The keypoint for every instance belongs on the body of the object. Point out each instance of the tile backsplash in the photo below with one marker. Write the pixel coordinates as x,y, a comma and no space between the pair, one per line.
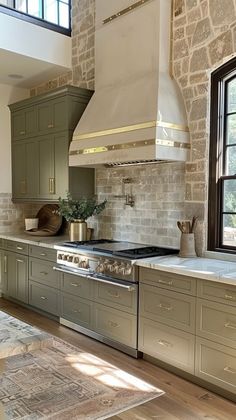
158,191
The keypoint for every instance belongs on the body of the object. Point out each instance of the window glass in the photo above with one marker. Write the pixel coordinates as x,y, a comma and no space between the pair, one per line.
230,160
51,11
229,200
63,15
231,96
8,3
231,129
35,8
229,230
21,5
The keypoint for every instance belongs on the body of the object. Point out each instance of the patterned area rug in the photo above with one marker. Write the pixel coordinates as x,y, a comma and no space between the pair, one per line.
62,382
18,337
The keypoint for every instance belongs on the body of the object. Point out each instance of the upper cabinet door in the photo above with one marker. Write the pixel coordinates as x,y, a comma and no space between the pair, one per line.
52,116
24,123
46,167
25,169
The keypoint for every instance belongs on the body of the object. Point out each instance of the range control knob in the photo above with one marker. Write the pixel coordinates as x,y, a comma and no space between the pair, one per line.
70,258
100,268
128,270
76,260
64,257
121,269
84,264
60,256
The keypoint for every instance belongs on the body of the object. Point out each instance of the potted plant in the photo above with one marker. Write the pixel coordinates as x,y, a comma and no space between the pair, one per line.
76,212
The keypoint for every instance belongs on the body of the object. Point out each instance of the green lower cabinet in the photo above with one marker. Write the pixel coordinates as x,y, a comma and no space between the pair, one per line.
17,276
45,298
77,310
3,272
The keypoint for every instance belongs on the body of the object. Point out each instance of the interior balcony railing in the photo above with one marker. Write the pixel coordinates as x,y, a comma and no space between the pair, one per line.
51,14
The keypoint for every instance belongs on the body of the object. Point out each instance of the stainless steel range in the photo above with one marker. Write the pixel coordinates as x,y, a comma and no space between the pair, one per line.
108,268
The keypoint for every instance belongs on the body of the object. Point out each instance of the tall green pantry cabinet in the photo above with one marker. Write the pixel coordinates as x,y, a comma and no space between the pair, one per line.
42,129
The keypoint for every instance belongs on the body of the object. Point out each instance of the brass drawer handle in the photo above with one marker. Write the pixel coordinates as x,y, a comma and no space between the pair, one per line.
44,273
43,297
20,248
23,186
76,311
168,283
229,370
75,284
115,295
50,125
164,343
166,308
229,325
22,132
230,297
113,324
42,254
5,263
20,261
51,185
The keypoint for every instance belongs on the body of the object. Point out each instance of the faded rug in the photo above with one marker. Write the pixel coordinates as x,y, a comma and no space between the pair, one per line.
63,382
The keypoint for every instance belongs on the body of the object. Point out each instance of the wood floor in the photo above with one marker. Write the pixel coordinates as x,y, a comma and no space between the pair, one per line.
182,400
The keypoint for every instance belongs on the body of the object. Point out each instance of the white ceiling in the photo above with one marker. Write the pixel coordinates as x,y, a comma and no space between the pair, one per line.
34,71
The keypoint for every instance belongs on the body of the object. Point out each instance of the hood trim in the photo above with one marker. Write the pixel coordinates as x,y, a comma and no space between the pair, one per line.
130,145
150,124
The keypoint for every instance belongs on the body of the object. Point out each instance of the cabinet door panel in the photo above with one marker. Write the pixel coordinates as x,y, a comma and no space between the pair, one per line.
3,272
52,116
46,166
61,165
18,124
24,170
17,274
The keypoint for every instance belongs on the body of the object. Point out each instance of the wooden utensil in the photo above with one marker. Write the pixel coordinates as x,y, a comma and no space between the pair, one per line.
194,224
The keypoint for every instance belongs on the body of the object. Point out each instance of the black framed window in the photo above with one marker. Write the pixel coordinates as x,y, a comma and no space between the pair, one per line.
222,160
53,14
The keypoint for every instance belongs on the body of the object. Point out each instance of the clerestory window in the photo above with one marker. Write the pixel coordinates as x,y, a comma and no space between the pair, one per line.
52,12
222,160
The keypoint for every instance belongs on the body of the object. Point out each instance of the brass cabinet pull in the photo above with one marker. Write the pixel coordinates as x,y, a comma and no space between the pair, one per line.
229,370
52,185
20,248
22,132
230,297
168,283
75,284
43,297
44,273
164,343
75,311
42,254
5,263
23,186
115,295
50,125
113,324
229,325
19,261
166,308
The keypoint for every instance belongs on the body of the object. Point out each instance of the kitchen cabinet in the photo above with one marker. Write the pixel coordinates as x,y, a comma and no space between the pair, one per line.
189,324
14,270
42,129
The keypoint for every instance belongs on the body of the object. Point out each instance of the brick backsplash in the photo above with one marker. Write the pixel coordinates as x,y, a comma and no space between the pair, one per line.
12,216
158,192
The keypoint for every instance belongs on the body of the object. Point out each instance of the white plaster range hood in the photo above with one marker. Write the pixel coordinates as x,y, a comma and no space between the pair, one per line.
136,113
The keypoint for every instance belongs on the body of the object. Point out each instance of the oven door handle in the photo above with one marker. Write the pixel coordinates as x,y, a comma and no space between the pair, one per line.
63,270
113,283
124,286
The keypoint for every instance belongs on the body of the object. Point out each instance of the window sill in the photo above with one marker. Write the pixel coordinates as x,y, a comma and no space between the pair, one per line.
220,256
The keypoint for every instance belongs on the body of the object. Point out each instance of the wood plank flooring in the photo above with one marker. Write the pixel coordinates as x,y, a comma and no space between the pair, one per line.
182,400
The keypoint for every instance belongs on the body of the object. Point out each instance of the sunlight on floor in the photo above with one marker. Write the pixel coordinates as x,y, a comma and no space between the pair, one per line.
107,374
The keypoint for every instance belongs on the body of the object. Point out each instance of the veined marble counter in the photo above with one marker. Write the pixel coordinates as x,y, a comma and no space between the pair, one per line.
203,268
45,241
16,337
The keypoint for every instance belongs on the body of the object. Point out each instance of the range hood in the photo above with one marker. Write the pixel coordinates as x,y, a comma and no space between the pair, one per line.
136,114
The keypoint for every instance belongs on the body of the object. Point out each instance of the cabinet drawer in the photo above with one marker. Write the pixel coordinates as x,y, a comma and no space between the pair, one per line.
216,322
223,293
42,272
19,247
44,297
117,297
117,325
167,344
171,308
77,310
44,253
169,281
76,285
216,364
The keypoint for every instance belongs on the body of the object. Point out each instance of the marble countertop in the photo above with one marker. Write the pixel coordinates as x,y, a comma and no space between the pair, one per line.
45,241
203,268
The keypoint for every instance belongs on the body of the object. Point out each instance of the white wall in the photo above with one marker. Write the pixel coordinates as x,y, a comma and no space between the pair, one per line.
8,95
34,41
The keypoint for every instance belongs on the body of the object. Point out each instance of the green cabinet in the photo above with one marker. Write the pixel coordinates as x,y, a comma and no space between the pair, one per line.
42,129
3,272
17,273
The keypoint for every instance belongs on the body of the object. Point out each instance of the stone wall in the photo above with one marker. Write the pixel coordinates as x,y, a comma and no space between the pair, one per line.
12,216
204,36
